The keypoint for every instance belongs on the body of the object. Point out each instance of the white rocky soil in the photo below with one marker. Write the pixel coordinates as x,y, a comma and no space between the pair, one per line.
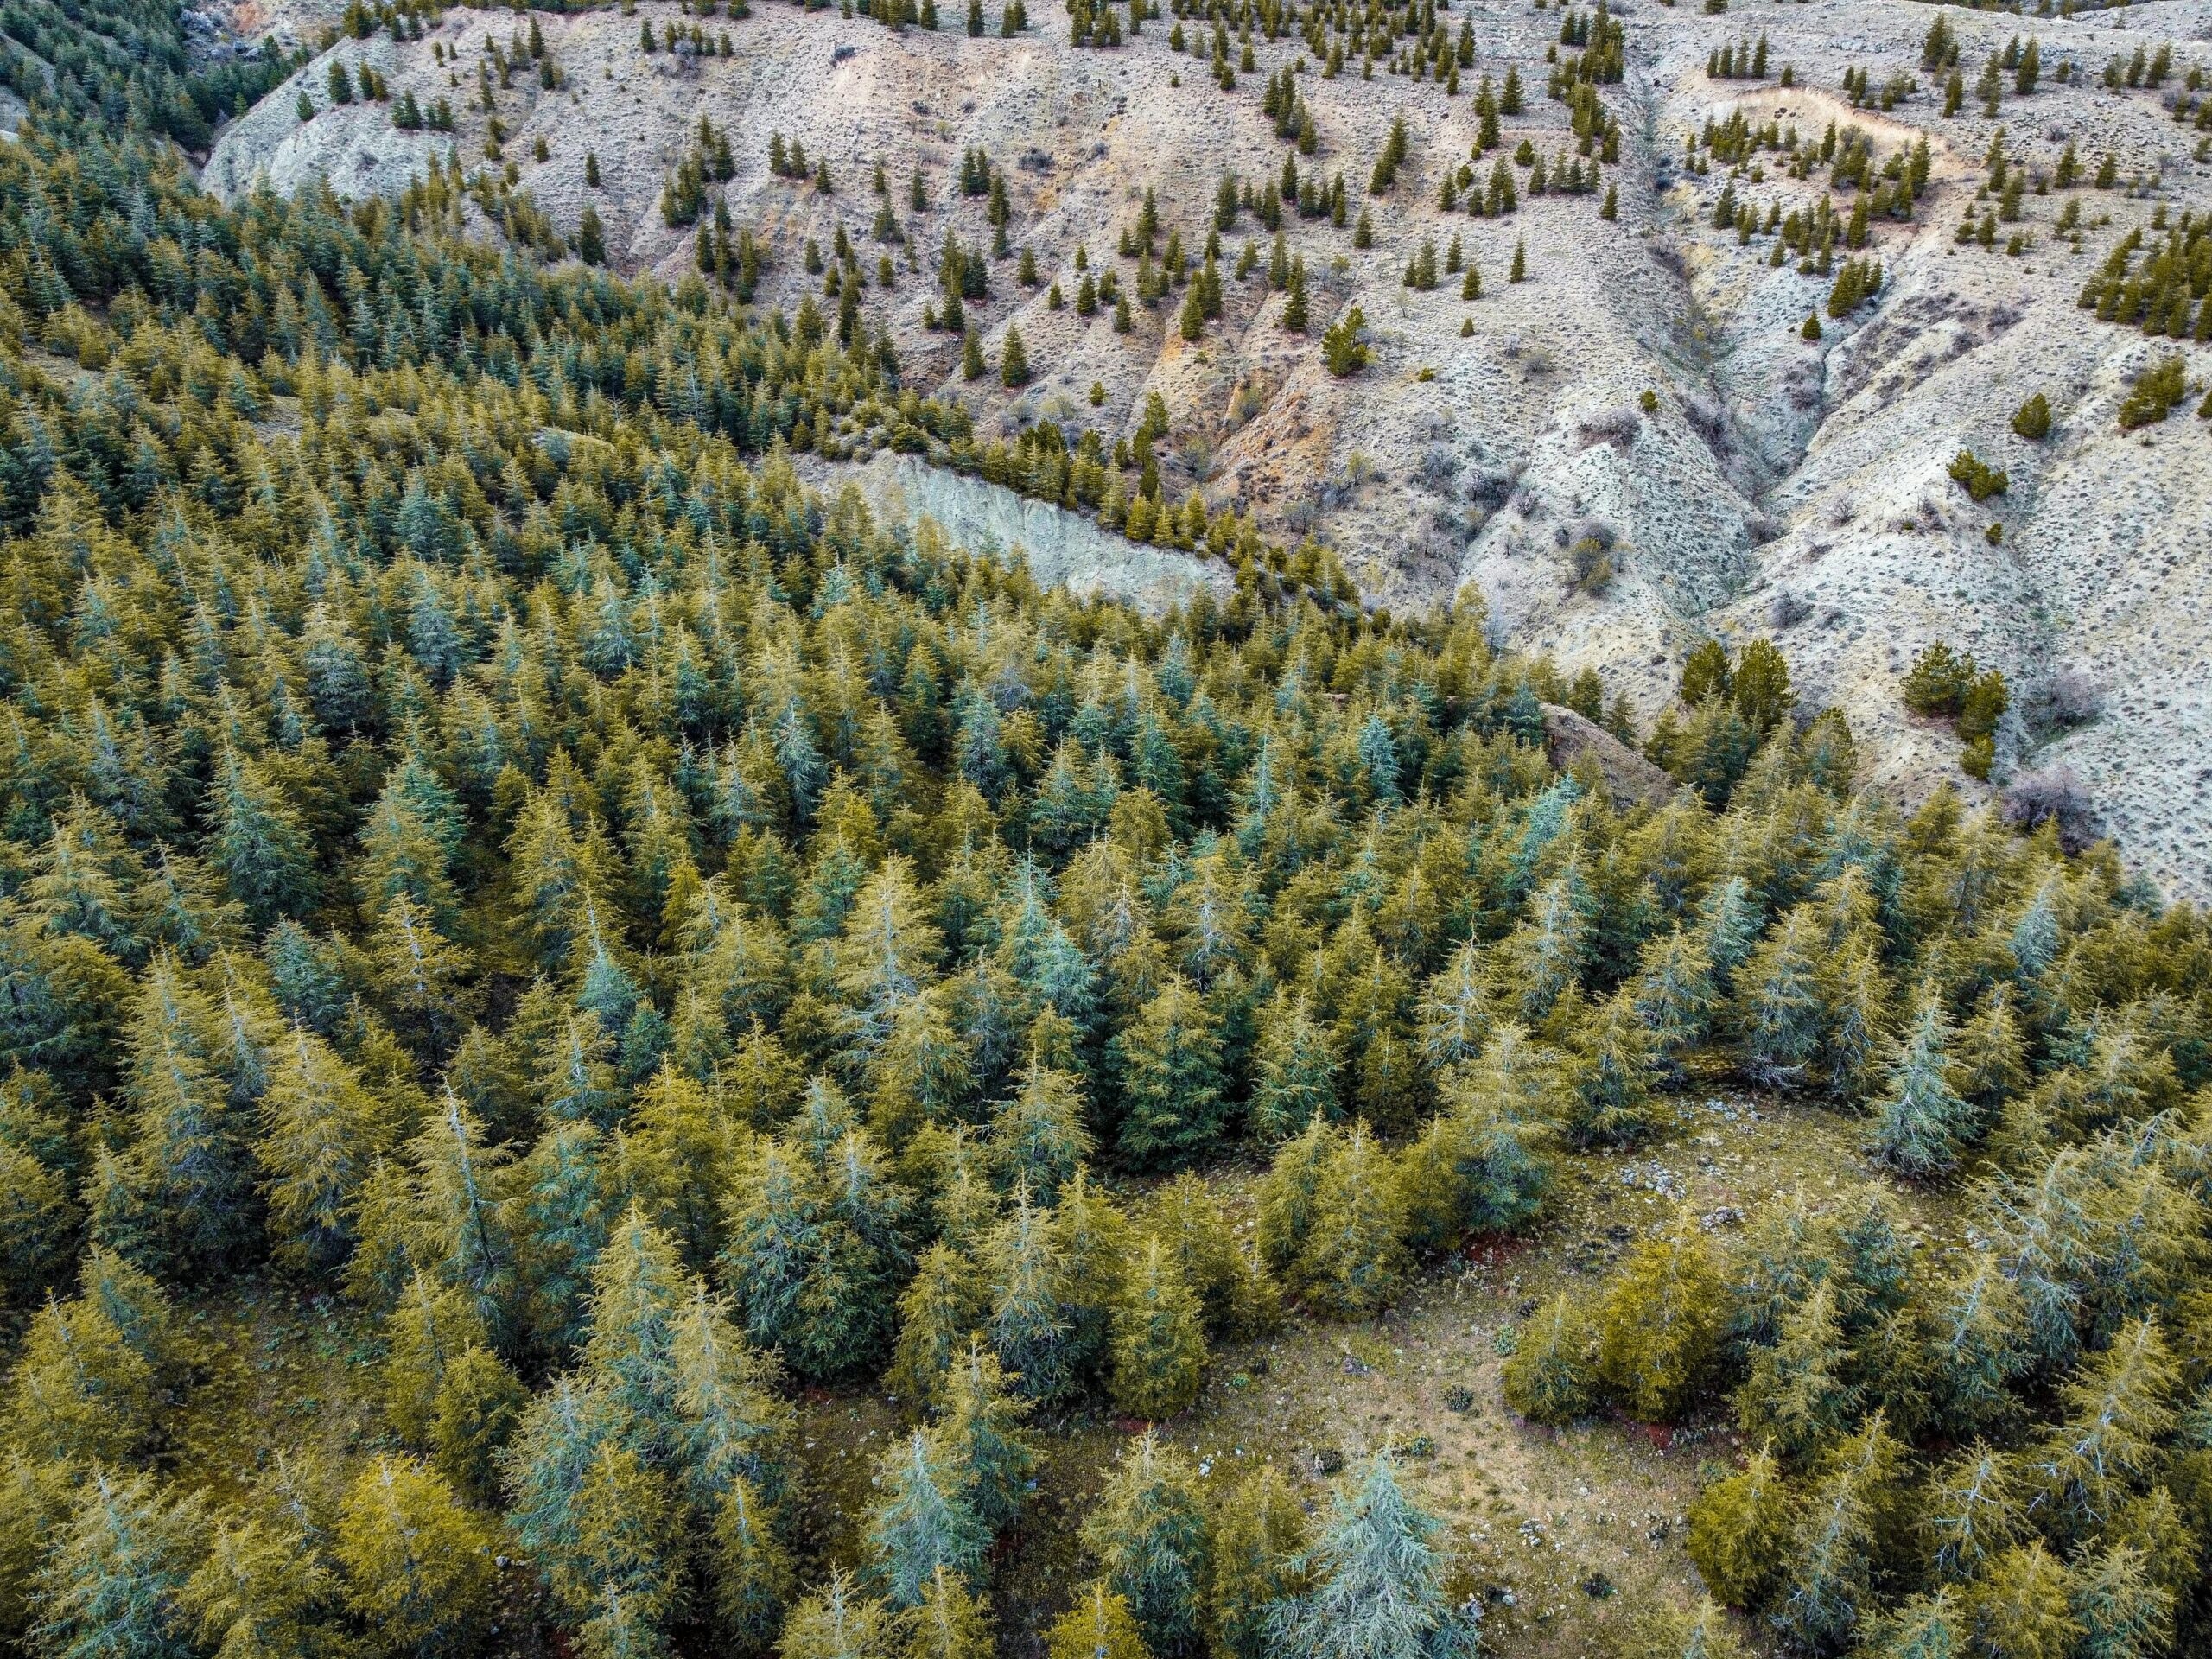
1770,487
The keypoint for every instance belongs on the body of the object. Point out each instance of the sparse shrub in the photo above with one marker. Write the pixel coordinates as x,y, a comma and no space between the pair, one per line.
1937,684
2154,394
1979,480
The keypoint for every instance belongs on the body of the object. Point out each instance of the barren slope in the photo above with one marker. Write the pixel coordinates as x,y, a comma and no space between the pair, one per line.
1773,486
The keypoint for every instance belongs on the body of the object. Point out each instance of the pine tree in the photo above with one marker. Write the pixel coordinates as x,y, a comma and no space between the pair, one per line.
259,846
2023,1605
1169,1064
949,1621
924,1524
752,1571
1159,1348
418,1565
1294,305
1739,1529
1354,1259
1612,1083
113,1576
266,1584
980,1431
1550,1376
1797,1395
937,1311
1778,1004
1846,1526
1028,1326
1659,1324
1922,1121
323,1128
477,1407
1039,1138
839,1622
1378,1581
1147,1532
1484,1163
1098,1626
1259,1533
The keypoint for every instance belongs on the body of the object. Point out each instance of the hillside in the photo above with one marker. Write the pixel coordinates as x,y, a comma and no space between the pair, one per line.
689,969
1777,488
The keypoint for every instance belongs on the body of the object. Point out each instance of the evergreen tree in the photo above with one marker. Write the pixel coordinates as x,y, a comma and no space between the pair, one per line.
1922,1121
323,1128
1846,1526
1659,1324
980,1431
1550,1377
1259,1534
938,1310
259,846
1169,1064
924,1527
418,1565
1740,1529
839,1622
1147,1531
1354,1258
1377,1577
1779,1005
1159,1349
949,1622
1098,1626
113,1576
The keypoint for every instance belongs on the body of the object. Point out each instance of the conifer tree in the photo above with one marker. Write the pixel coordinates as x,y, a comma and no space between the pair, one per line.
1778,1004
937,1311
258,847
1039,1137
1098,1626
1550,1377
1846,1525
1378,1580
418,1565
1147,1532
1739,1527
980,1431
1028,1325
113,1576
923,1525
1259,1533
1354,1259
1797,1395
1659,1324
322,1127
949,1621
1922,1123
839,1621
1159,1348
1169,1064
82,1387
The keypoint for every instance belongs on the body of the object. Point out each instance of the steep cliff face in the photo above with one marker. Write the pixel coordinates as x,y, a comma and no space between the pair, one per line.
1632,449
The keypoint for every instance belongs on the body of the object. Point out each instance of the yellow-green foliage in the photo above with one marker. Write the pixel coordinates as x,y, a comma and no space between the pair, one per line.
1660,1321
585,936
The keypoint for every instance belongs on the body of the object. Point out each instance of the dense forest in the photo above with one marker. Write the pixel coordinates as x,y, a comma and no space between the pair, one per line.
481,845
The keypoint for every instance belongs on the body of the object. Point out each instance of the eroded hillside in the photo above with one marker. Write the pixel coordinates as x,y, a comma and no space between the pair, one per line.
1644,400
